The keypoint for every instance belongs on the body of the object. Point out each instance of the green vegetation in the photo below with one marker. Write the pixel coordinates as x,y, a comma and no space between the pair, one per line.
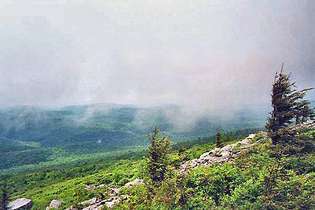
67,180
256,180
242,184
218,141
4,199
158,150
276,173
288,104
274,170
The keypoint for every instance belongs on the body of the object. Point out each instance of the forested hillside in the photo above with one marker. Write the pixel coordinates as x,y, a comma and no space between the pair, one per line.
30,135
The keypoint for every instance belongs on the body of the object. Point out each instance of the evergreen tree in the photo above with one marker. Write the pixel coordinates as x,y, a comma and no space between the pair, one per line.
159,150
304,112
218,140
4,200
287,104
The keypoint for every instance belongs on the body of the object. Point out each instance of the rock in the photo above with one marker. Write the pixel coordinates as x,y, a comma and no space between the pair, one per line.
226,154
226,151
216,152
251,136
227,148
72,208
91,201
113,192
219,155
245,142
95,204
54,204
112,201
124,197
100,186
204,155
94,207
90,187
20,204
134,183
303,126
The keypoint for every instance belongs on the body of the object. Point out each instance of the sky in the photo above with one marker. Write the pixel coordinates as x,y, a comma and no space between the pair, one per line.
205,54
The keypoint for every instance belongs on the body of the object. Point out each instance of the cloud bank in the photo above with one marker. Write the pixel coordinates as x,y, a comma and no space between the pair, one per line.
205,55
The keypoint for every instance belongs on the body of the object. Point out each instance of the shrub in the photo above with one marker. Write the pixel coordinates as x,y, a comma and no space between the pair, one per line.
245,195
297,192
213,183
137,198
158,157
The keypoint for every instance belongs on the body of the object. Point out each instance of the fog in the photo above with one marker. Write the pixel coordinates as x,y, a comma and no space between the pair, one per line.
202,55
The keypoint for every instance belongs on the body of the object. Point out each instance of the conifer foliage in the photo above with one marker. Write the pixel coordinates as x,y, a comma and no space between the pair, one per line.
4,200
218,140
288,105
159,150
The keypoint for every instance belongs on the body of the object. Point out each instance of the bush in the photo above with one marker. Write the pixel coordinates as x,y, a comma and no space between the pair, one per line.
295,193
158,157
245,195
301,165
137,198
211,184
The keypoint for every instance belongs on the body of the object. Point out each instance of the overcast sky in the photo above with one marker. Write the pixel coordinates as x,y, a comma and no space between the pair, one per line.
199,53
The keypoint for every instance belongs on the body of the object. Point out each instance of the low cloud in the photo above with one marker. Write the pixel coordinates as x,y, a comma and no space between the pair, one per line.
204,56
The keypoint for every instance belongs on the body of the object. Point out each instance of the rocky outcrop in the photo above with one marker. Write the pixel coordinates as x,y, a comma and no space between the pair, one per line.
134,183
303,126
20,204
94,187
54,204
232,151
114,197
220,155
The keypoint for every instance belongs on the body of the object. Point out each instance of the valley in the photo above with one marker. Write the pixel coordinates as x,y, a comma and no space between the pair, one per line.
48,136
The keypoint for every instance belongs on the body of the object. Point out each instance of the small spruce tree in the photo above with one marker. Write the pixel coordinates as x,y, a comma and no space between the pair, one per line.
218,140
159,150
4,200
288,104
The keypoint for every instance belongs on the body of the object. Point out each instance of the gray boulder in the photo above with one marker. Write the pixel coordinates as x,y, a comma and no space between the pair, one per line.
20,204
134,183
54,204
219,155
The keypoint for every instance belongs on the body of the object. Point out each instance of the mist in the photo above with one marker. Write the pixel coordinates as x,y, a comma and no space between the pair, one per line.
206,56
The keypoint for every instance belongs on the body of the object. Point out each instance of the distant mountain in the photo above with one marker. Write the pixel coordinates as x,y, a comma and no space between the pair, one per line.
112,125
34,131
